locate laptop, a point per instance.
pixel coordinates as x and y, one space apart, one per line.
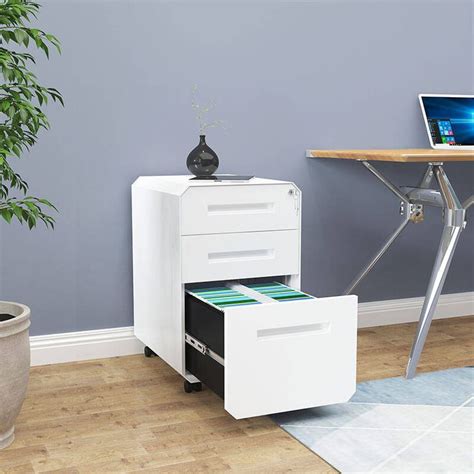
449 120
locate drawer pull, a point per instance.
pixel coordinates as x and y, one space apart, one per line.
241 208
222 257
317 328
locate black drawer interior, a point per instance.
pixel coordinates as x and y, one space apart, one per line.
207 370
206 324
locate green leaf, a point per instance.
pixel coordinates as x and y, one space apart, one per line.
47 203
23 115
7 214
18 213
16 150
20 36
31 221
5 105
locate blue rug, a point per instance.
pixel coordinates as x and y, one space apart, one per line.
395 425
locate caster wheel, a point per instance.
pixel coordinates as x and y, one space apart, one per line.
192 387
148 352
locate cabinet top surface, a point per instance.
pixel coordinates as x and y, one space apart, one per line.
179 184
405 155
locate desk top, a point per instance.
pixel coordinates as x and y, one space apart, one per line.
407 155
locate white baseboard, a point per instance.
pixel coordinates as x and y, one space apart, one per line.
407 310
101 343
83 345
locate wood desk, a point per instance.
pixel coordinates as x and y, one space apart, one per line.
412 200
404 155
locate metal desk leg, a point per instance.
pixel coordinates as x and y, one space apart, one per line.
453 225
427 177
392 238
377 256
468 202
413 200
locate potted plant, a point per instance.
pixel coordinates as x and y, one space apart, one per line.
21 119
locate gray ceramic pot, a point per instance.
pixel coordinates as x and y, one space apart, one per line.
14 366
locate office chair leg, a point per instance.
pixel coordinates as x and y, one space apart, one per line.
454 223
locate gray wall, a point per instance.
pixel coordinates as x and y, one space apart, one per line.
286 76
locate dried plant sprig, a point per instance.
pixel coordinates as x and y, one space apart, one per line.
200 112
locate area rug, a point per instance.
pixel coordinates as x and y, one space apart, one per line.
424 424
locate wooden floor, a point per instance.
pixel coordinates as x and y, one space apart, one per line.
130 414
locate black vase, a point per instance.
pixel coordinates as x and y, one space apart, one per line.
202 161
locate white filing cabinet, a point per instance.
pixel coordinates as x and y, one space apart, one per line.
278 356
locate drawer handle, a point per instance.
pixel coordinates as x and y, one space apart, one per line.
317 328
231 256
241 208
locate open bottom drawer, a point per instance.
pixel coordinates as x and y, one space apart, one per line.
274 355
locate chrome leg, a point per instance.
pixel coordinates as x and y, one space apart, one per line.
395 190
376 257
468 202
427 177
453 214
453 225
406 206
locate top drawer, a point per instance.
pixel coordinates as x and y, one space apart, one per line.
219 209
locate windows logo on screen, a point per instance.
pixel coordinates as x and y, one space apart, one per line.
446 132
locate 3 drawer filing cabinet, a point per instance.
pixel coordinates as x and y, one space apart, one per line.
216 277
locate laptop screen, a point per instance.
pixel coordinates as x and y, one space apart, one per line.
450 119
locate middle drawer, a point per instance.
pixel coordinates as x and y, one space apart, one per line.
241 255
